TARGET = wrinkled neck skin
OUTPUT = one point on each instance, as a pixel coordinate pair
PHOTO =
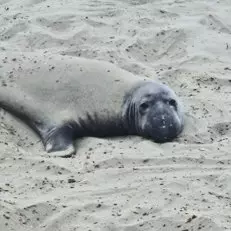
(93, 125)
(130, 114)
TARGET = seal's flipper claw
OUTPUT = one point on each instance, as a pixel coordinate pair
(68, 152)
(59, 141)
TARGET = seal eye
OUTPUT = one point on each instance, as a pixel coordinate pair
(143, 107)
(172, 102)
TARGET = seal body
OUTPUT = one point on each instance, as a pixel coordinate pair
(63, 98)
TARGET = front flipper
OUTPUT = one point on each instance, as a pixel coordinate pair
(59, 141)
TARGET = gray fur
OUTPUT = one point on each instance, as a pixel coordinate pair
(63, 98)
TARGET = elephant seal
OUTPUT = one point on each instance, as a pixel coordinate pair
(63, 98)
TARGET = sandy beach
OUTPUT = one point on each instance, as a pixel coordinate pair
(125, 183)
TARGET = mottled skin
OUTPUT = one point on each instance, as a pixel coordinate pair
(65, 98)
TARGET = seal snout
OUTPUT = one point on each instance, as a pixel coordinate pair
(164, 128)
(162, 122)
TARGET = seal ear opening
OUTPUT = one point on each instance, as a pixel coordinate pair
(143, 108)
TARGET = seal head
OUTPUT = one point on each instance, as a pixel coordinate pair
(152, 110)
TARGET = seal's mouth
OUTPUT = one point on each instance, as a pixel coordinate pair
(163, 139)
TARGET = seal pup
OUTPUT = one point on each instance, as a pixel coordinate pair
(63, 98)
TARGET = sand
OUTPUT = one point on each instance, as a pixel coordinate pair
(125, 183)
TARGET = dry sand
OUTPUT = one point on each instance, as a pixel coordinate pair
(129, 183)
